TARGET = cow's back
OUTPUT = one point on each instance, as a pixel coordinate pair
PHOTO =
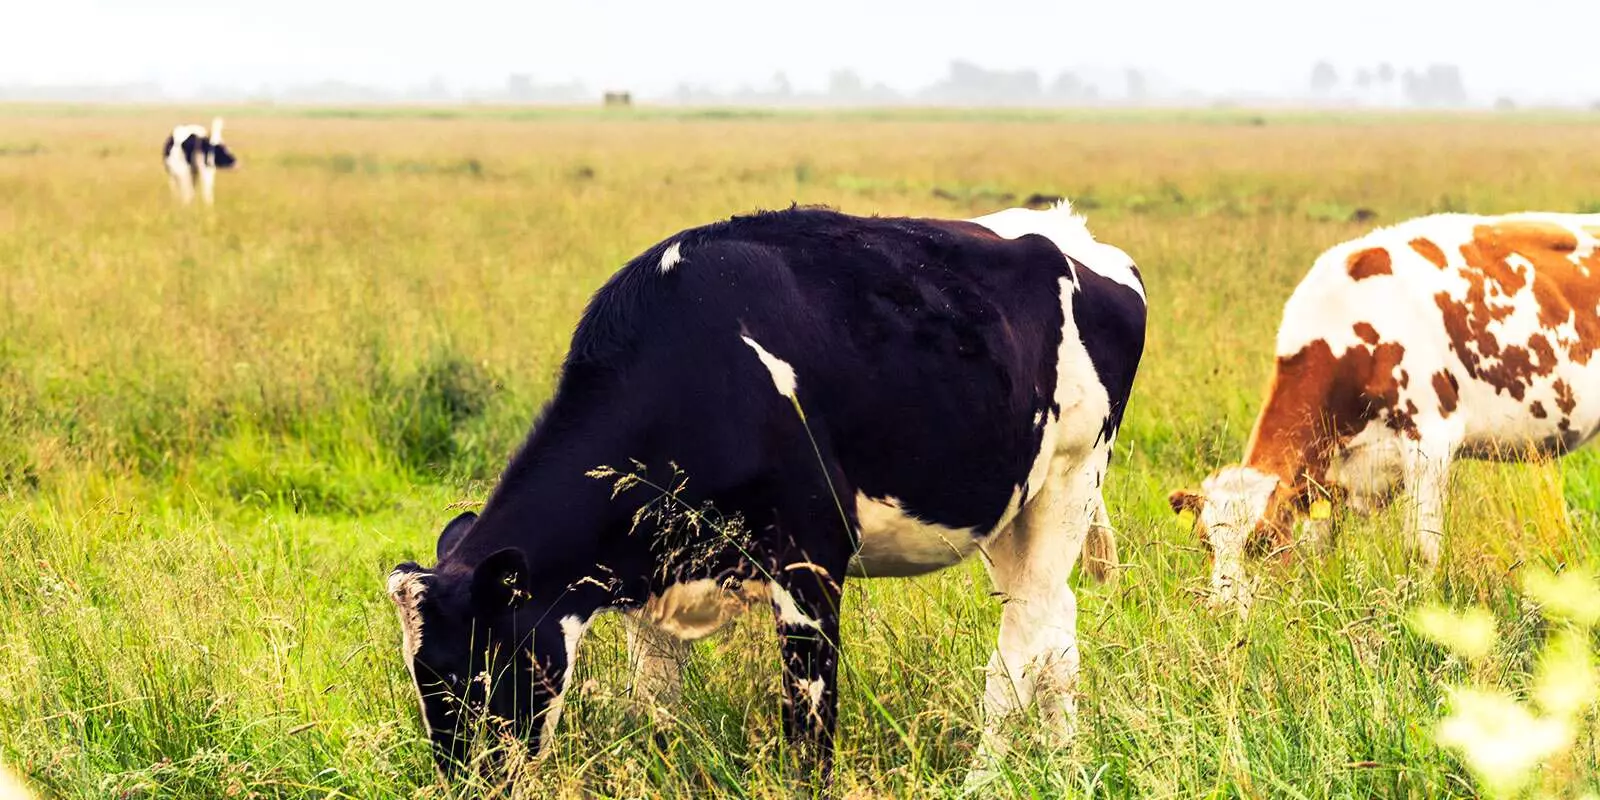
(1484, 325)
(925, 351)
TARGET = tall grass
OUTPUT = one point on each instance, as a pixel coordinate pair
(219, 429)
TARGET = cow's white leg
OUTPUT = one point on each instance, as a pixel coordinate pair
(1036, 661)
(657, 658)
(208, 180)
(1426, 467)
(183, 184)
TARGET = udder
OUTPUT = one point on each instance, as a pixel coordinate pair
(896, 544)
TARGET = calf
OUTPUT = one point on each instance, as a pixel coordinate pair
(1442, 337)
(192, 155)
(851, 396)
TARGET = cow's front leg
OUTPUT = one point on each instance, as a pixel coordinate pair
(1427, 480)
(1036, 660)
(657, 658)
(805, 599)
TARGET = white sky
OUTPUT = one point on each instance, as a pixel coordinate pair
(1531, 48)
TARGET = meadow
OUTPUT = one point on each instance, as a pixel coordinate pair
(220, 429)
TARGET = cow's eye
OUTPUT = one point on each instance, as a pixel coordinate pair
(452, 680)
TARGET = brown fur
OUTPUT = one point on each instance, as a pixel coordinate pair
(1369, 263)
(1430, 251)
(1316, 402)
(1448, 389)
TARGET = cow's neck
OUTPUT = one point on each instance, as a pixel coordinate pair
(547, 503)
(1293, 437)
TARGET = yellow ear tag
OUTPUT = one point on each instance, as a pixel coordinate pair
(1186, 518)
(1321, 509)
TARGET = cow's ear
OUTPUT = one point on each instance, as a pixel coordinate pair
(1185, 500)
(405, 584)
(452, 533)
(500, 582)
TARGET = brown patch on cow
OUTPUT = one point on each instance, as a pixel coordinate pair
(1493, 245)
(1467, 325)
(1566, 290)
(1565, 399)
(1448, 390)
(1427, 249)
(1537, 410)
(1317, 401)
(1566, 287)
(1367, 333)
(1404, 421)
(1368, 263)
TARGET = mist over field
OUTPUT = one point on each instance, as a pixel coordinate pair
(1353, 53)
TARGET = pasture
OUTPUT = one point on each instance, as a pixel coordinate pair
(219, 430)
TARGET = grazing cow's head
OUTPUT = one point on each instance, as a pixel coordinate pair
(1238, 511)
(221, 156)
(488, 655)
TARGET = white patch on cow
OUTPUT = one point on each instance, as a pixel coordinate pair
(216, 130)
(406, 589)
(572, 630)
(788, 610)
(1236, 501)
(782, 373)
(671, 257)
(698, 608)
(180, 173)
(896, 543)
(1401, 306)
(1070, 234)
(812, 690)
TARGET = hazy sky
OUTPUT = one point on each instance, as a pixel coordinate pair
(1532, 48)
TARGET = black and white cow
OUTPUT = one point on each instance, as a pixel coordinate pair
(853, 396)
(191, 156)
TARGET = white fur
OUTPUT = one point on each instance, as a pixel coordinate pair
(895, 543)
(572, 629)
(1070, 233)
(670, 259)
(812, 690)
(789, 612)
(1031, 551)
(782, 373)
(1400, 306)
(406, 589)
(1236, 500)
(182, 174)
(698, 608)
(1036, 659)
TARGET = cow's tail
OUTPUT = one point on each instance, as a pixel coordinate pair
(1100, 552)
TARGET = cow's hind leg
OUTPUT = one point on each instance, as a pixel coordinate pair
(1036, 661)
(805, 599)
(657, 658)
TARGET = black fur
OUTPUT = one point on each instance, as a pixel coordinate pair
(199, 150)
(925, 352)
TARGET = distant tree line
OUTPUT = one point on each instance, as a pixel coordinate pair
(964, 83)
(1434, 86)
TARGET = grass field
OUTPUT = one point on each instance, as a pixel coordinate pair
(219, 430)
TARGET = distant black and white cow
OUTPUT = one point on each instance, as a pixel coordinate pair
(192, 156)
(853, 396)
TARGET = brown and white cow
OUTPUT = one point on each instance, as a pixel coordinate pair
(1444, 336)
